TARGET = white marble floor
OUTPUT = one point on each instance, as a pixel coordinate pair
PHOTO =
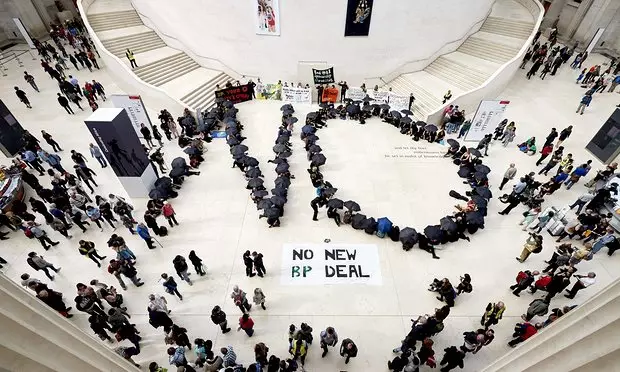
(220, 222)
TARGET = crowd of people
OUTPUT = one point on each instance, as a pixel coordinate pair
(66, 205)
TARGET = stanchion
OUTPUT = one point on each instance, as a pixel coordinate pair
(2, 68)
(19, 62)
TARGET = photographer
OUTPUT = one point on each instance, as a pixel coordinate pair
(533, 244)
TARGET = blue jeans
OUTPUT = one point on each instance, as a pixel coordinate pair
(101, 161)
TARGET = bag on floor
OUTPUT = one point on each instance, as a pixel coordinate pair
(163, 231)
(380, 234)
(394, 233)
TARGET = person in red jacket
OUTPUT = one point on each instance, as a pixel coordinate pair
(523, 331)
(247, 324)
(548, 149)
(169, 213)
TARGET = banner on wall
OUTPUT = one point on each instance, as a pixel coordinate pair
(135, 109)
(267, 17)
(237, 94)
(320, 264)
(487, 118)
(358, 17)
(296, 95)
(330, 95)
(323, 76)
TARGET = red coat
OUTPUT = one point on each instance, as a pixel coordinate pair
(529, 331)
(246, 324)
(167, 210)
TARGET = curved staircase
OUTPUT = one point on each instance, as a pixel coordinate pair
(500, 39)
(119, 28)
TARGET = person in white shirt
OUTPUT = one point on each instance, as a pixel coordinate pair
(583, 281)
(508, 175)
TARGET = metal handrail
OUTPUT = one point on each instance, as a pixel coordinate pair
(190, 49)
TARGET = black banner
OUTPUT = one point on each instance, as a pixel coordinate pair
(323, 76)
(358, 17)
(238, 94)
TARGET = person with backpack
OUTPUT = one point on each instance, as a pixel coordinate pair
(299, 350)
(452, 358)
(240, 300)
(180, 265)
(524, 280)
(39, 263)
(218, 316)
(348, 350)
(257, 260)
(169, 214)
(464, 285)
(524, 331)
(144, 233)
(171, 285)
(329, 337)
(33, 230)
(533, 244)
(124, 267)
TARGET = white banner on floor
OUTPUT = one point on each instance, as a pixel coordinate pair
(319, 264)
(296, 95)
(397, 102)
(134, 107)
(487, 118)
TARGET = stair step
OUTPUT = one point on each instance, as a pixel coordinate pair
(203, 93)
(156, 64)
(210, 101)
(163, 68)
(177, 72)
(128, 38)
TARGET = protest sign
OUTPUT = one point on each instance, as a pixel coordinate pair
(297, 95)
(323, 76)
(237, 94)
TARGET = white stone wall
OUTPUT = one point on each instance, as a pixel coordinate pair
(401, 31)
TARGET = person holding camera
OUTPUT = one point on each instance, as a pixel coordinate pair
(533, 244)
(583, 281)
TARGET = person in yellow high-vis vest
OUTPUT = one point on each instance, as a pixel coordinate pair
(131, 58)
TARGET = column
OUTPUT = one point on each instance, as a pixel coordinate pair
(579, 16)
(31, 19)
(552, 14)
(585, 339)
(35, 335)
(42, 11)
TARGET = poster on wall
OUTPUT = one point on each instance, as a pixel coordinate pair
(323, 76)
(296, 95)
(320, 264)
(135, 109)
(487, 118)
(267, 17)
(236, 94)
(358, 17)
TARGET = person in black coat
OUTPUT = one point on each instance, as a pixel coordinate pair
(151, 223)
(160, 319)
(39, 207)
(197, 262)
(249, 264)
(218, 316)
(452, 358)
(258, 263)
(64, 102)
(146, 134)
(86, 175)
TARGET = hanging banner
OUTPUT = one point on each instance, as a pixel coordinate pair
(397, 102)
(320, 264)
(355, 93)
(135, 109)
(241, 93)
(296, 95)
(358, 17)
(323, 76)
(487, 118)
(267, 17)
(330, 95)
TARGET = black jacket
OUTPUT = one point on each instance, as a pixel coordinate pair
(218, 317)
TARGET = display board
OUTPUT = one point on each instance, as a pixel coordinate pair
(487, 118)
(267, 17)
(605, 144)
(135, 109)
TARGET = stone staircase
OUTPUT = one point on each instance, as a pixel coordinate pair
(499, 39)
(113, 20)
(119, 28)
(138, 43)
(203, 95)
